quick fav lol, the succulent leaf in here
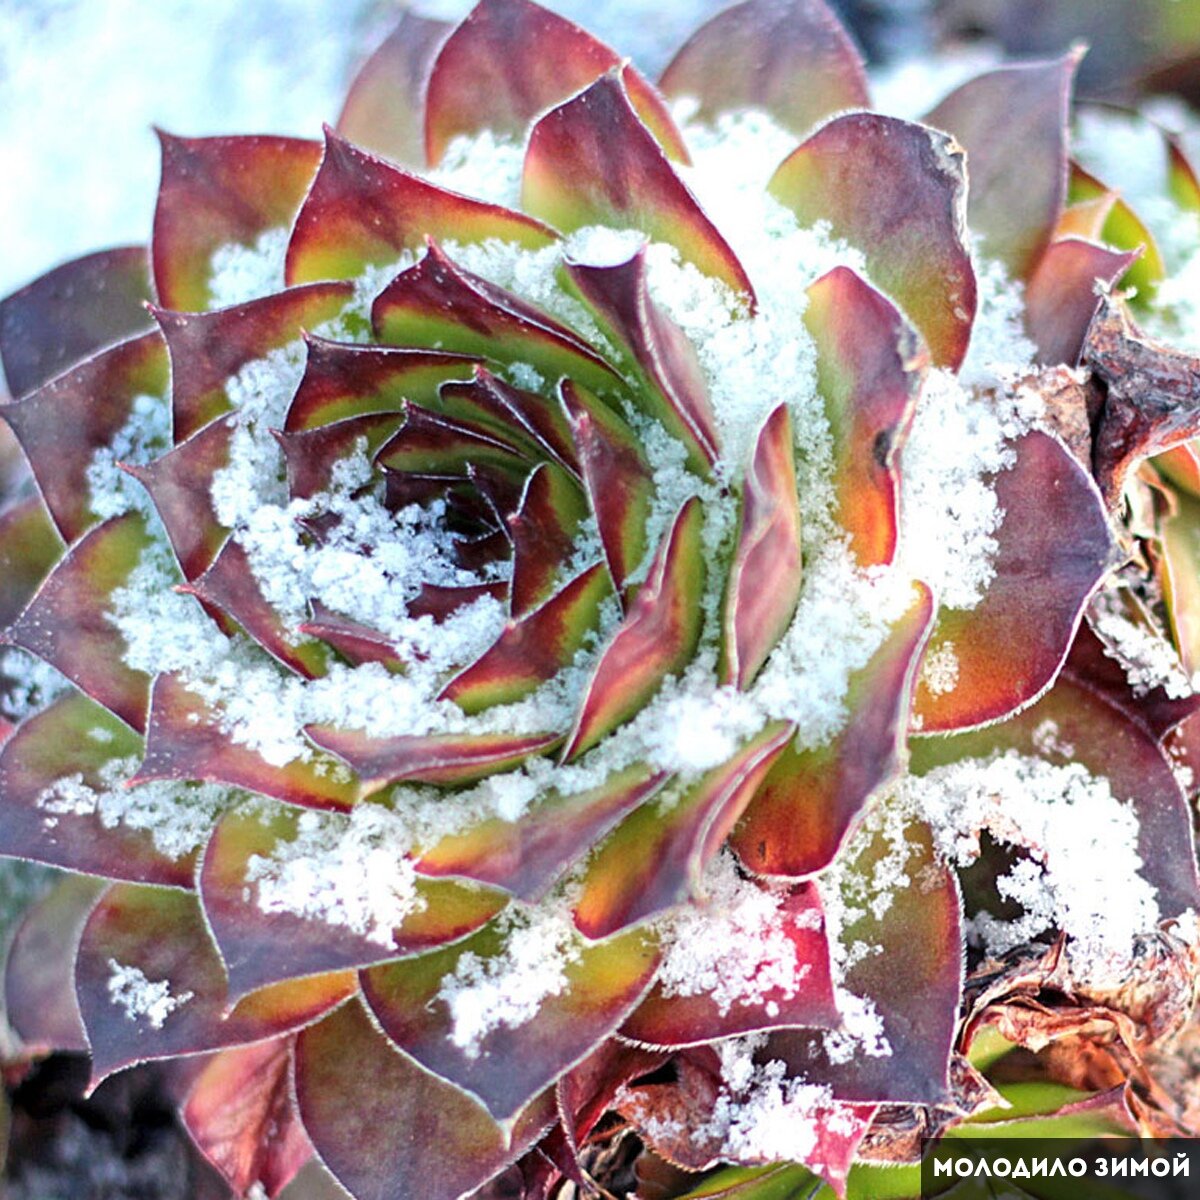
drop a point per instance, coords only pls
(29, 547)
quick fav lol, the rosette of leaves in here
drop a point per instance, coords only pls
(528, 434)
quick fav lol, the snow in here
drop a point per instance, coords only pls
(1148, 659)
(242, 273)
(140, 997)
(27, 684)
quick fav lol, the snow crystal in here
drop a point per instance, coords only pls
(734, 945)
(239, 273)
(178, 817)
(353, 872)
(508, 989)
(145, 436)
(1149, 660)
(130, 989)
(939, 671)
(27, 684)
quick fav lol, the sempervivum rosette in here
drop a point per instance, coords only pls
(571, 617)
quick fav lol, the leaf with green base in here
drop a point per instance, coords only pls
(30, 545)
(510, 1064)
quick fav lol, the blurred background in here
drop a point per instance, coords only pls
(83, 81)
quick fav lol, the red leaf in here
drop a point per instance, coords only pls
(656, 639)
(591, 161)
(67, 622)
(361, 211)
(677, 1020)
(260, 947)
(790, 58)
(528, 855)
(312, 454)
(386, 1127)
(673, 389)
(186, 740)
(801, 815)
(1054, 548)
(897, 192)
(39, 973)
(70, 313)
(510, 1064)
(62, 425)
(543, 531)
(29, 547)
(764, 577)
(1061, 299)
(385, 106)
(161, 933)
(438, 758)
(1012, 121)
(870, 368)
(241, 1116)
(76, 739)
(511, 60)
(655, 857)
(431, 444)
(207, 349)
(352, 641)
(216, 191)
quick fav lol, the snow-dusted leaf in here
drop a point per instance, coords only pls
(62, 424)
(543, 530)
(437, 304)
(354, 642)
(274, 923)
(870, 368)
(218, 191)
(511, 60)
(791, 58)
(187, 739)
(54, 771)
(67, 622)
(384, 110)
(386, 1127)
(1061, 297)
(69, 313)
(807, 804)
(673, 390)
(151, 984)
(591, 161)
(896, 191)
(655, 640)
(654, 859)
(432, 1014)
(240, 1114)
(669, 1018)
(362, 211)
(1054, 547)
(39, 973)
(1012, 122)
(312, 454)
(528, 855)
(429, 443)
(30, 545)
(763, 588)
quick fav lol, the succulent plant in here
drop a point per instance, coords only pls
(582, 631)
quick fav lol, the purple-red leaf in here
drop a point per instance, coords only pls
(1012, 122)
(801, 815)
(312, 454)
(656, 639)
(673, 390)
(654, 859)
(591, 161)
(71, 312)
(896, 191)
(354, 642)
(511, 60)
(764, 576)
(528, 855)
(790, 58)
(543, 531)
(240, 1114)
(384, 109)
(508, 1065)
(186, 739)
(138, 937)
(362, 211)
(1054, 548)
(262, 941)
(450, 758)
(62, 425)
(30, 545)
(67, 622)
(1061, 299)
(219, 191)
(386, 1127)
(673, 1020)
(870, 367)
